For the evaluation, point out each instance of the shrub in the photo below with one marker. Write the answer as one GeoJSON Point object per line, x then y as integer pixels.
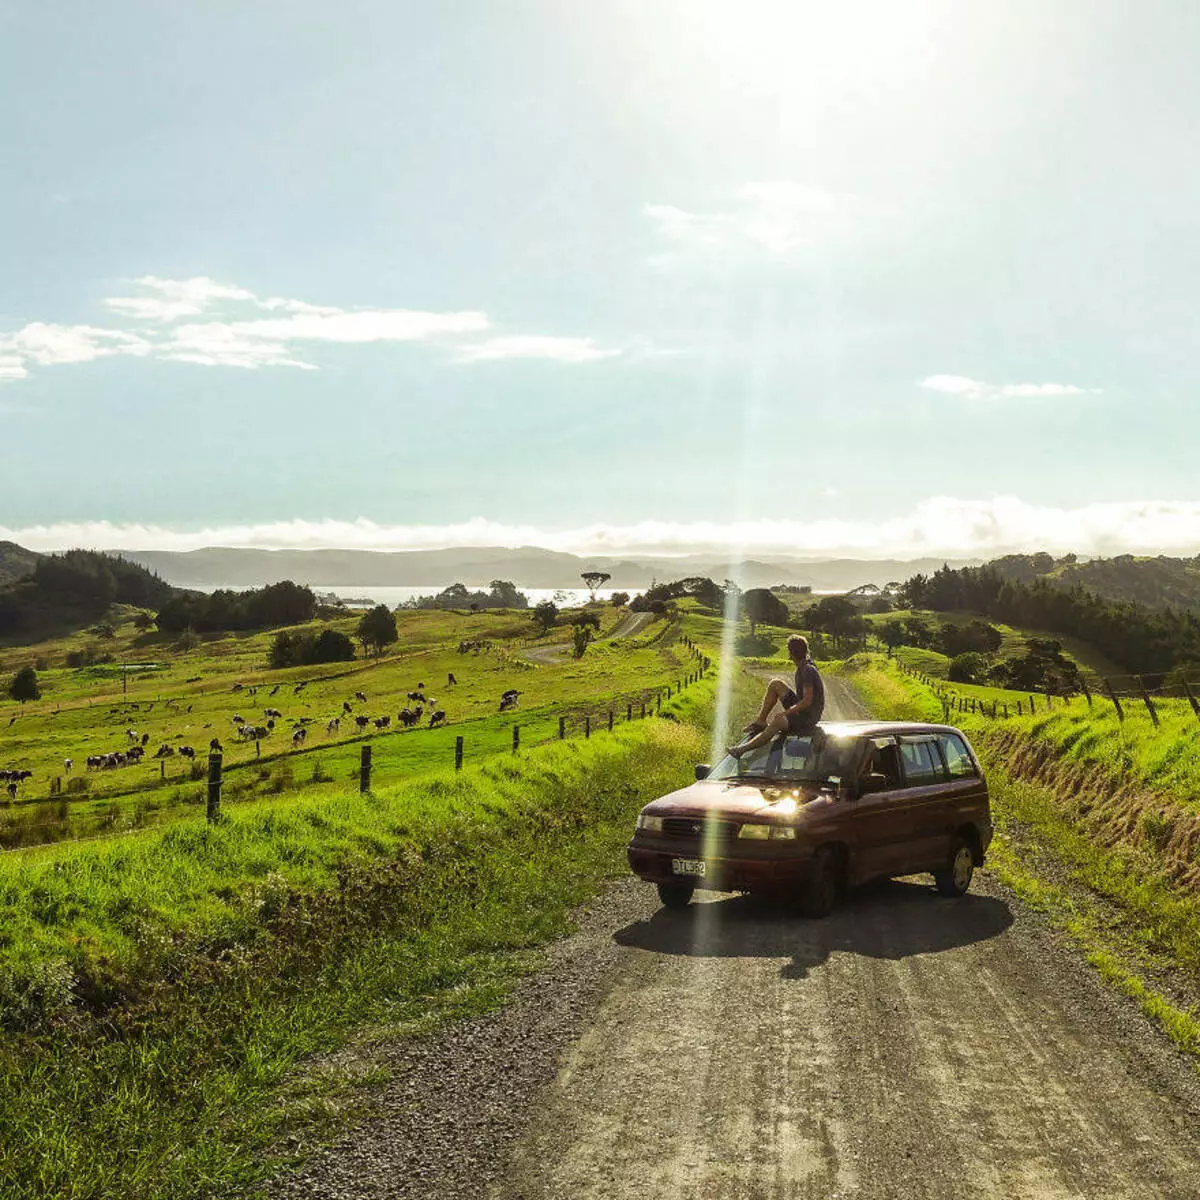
{"type": "Point", "coordinates": [25, 685]}
{"type": "Point", "coordinates": [754, 645]}
{"type": "Point", "coordinates": [580, 640]}
{"type": "Point", "coordinates": [970, 667]}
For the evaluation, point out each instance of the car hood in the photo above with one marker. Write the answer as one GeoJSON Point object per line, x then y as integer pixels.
{"type": "Point", "coordinates": [730, 798]}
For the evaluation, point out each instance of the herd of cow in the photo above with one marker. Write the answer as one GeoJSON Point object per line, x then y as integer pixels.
{"type": "Point", "coordinates": [410, 716]}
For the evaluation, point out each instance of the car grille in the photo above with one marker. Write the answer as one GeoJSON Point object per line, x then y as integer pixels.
{"type": "Point", "coordinates": [695, 828]}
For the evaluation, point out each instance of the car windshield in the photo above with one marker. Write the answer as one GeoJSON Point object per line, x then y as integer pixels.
{"type": "Point", "coordinates": [791, 759]}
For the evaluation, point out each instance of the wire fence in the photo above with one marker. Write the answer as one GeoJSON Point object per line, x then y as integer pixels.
{"type": "Point", "coordinates": [1121, 694]}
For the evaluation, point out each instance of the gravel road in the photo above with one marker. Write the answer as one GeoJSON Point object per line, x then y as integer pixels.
{"type": "Point", "coordinates": [907, 1047]}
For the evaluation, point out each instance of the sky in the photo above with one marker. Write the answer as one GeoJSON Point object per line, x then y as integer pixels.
{"type": "Point", "coordinates": [881, 279]}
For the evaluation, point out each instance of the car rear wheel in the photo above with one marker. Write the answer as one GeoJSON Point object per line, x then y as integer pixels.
{"type": "Point", "coordinates": [821, 885]}
{"type": "Point", "coordinates": [955, 879]}
{"type": "Point", "coordinates": [676, 895]}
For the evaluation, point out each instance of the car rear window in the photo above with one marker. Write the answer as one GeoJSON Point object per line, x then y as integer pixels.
{"type": "Point", "coordinates": [922, 763]}
{"type": "Point", "coordinates": [958, 759]}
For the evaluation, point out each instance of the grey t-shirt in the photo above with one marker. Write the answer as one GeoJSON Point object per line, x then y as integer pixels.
{"type": "Point", "coordinates": [808, 675]}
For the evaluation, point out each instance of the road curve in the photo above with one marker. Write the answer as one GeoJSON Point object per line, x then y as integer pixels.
{"type": "Point", "coordinates": [907, 1047]}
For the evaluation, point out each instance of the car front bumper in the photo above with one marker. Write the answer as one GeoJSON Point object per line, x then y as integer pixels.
{"type": "Point", "coordinates": [756, 868]}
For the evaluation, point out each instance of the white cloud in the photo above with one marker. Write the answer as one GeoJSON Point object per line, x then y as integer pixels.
{"type": "Point", "coordinates": [559, 349]}
{"type": "Point", "coordinates": [775, 218]}
{"type": "Point", "coordinates": [939, 526]}
{"type": "Point", "coordinates": [171, 299]}
{"type": "Point", "coordinates": [973, 389]}
{"type": "Point", "coordinates": [51, 345]}
{"type": "Point", "coordinates": [237, 339]}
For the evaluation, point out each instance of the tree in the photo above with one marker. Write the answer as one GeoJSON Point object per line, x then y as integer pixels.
{"type": "Point", "coordinates": [24, 685]}
{"type": "Point", "coordinates": [968, 667]}
{"type": "Point", "coordinates": [619, 599]}
{"type": "Point", "coordinates": [504, 594]}
{"type": "Point", "coordinates": [580, 639]}
{"type": "Point", "coordinates": [545, 614]}
{"type": "Point", "coordinates": [377, 629]}
{"type": "Point", "coordinates": [892, 633]}
{"type": "Point", "coordinates": [143, 620]}
{"type": "Point", "coordinates": [762, 606]}
{"type": "Point", "coordinates": [594, 579]}
{"type": "Point", "coordinates": [587, 618]}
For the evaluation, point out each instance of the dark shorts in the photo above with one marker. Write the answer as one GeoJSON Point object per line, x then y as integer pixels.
{"type": "Point", "coordinates": [801, 722]}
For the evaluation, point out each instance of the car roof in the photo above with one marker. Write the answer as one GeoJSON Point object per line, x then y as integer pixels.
{"type": "Point", "coordinates": [879, 728]}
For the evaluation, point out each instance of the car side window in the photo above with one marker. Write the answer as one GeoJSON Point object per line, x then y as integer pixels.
{"type": "Point", "coordinates": [922, 763]}
{"type": "Point", "coordinates": [958, 760]}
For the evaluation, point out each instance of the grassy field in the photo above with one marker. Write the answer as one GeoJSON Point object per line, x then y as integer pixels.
{"type": "Point", "coordinates": [190, 696]}
{"type": "Point", "coordinates": [169, 996]}
{"type": "Point", "coordinates": [1098, 824]}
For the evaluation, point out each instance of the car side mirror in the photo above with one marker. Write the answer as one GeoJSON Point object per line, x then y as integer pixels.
{"type": "Point", "coordinates": [702, 770]}
{"type": "Point", "coordinates": [875, 782]}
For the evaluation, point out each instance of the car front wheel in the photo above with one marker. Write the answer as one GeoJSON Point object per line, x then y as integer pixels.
{"type": "Point", "coordinates": [955, 880]}
{"type": "Point", "coordinates": [676, 895]}
{"type": "Point", "coordinates": [821, 885]}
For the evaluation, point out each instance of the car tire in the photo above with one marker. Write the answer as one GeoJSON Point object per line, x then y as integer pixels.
{"type": "Point", "coordinates": [676, 895]}
{"type": "Point", "coordinates": [821, 885]}
{"type": "Point", "coordinates": [955, 879]}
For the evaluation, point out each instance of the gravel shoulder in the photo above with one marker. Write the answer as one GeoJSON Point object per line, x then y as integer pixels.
{"type": "Point", "coordinates": [908, 1046]}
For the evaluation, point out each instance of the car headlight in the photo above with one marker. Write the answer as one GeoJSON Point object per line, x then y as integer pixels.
{"type": "Point", "coordinates": [761, 833]}
{"type": "Point", "coordinates": [650, 824]}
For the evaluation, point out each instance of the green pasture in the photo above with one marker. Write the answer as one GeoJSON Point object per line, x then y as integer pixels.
{"type": "Point", "coordinates": [194, 694]}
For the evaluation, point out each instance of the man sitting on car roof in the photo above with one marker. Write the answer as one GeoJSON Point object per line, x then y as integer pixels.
{"type": "Point", "coordinates": [802, 705]}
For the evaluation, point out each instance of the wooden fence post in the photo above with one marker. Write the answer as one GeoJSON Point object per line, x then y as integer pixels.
{"type": "Point", "coordinates": [162, 768]}
{"type": "Point", "coordinates": [643, 709]}
{"type": "Point", "coordinates": [458, 752]}
{"type": "Point", "coordinates": [516, 738]}
{"type": "Point", "coordinates": [1116, 702]}
{"type": "Point", "coordinates": [587, 727]}
{"type": "Point", "coordinates": [1086, 691]}
{"type": "Point", "coordinates": [257, 748]}
{"type": "Point", "coordinates": [1187, 688]}
{"type": "Point", "coordinates": [629, 712]}
{"type": "Point", "coordinates": [1020, 709]}
{"type": "Point", "coordinates": [562, 728]}
{"type": "Point", "coordinates": [1032, 706]}
{"type": "Point", "coordinates": [1149, 703]}
{"type": "Point", "coordinates": [610, 715]}
{"type": "Point", "coordinates": [364, 769]}
{"type": "Point", "coordinates": [214, 788]}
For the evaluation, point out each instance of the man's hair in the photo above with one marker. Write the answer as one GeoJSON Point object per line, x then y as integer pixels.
{"type": "Point", "coordinates": [798, 641]}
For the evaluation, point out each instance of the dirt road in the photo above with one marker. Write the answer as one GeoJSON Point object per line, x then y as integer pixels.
{"type": "Point", "coordinates": [628, 626]}
{"type": "Point", "coordinates": [908, 1047]}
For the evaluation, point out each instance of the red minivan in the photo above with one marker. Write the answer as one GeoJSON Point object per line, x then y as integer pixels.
{"type": "Point", "coordinates": [806, 817]}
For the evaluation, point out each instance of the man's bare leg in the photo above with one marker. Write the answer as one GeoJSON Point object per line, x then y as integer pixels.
{"type": "Point", "coordinates": [773, 695]}
{"type": "Point", "coordinates": [775, 725]}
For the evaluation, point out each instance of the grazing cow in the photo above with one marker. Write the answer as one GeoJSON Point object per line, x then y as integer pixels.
{"type": "Point", "coordinates": [67, 765]}
{"type": "Point", "coordinates": [271, 723]}
{"type": "Point", "coordinates": [408, 718]}
{"type": "Point", "coordinates": [164, 751]}
{"type": "Point", "coordinates": [346, 707]}
{"type": "Point", "coordinates": [437, 718]}
{"type": "Point", "coordinates": [298, 736]}
{"type": "Point", "coordinates": [131, 734]}
{"type": "Point", "coordinates": [361, 696]}
{"type": "Point", "coordinates": [272, 712]}
{"type": "Point", "coordinates": [187, 751]}
{"type": "Point", "coordinates": [238, 719]}
{"type": "Point", "coordinates": [333, 725]}
{"type": "Point", "coordinates": [512, 692]}
{"type": "Point", "coordinates": [382, 722]}
{"type": "Point", "coordinates": [362, 722]}
{"type": "Point", "coordinates": [237, 687]}
{"type": "Point", "coordinates": [145, 738]}
{"type": "Point", "coordinates": [273, 690]}
{"type": "Point", "coordinates": [262, 731]}
{"type": "Point", "coordinates": [507, 703]}
{"type": "Point", "coordinates": [12, 791]}
{"type": "Point", "coordinates": [419, 697]}
{"type": "Point", "coordinates": [134, 754]}
{"type": "Point", "coordinates": [214, 746]}
{"type": "Point", "coordinates": [450, 680]}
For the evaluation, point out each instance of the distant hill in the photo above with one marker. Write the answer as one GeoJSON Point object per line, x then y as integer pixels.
{"type": "Point", "coordinates": [15, 562]}
{"type": "Point", "coordinates": [528, 566]}
{"type": "Point", "coordinates": [1158, 582]}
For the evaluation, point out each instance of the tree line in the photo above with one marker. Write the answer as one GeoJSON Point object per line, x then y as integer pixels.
{"type": "Point", "coordinates": [1142, 640]}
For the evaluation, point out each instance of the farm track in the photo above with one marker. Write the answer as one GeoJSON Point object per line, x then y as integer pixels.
{"type": "Point", "coordinates": [906, 1047]}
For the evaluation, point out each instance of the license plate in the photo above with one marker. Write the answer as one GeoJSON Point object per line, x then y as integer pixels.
{"type": "Point", "coordinates": [688, 866]}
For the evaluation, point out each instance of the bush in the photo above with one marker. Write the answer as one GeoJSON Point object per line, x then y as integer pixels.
{"type": "Point", "coordinates": [754, 645]}
{"type": "Point", "coordinates": [971, 667]}
{"type": "Point", "coordinates": [290, 649]}
{"type": "Point", "coordinates": [581, 639]}
{"type": "Point", "coordinates": [619, 599]}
